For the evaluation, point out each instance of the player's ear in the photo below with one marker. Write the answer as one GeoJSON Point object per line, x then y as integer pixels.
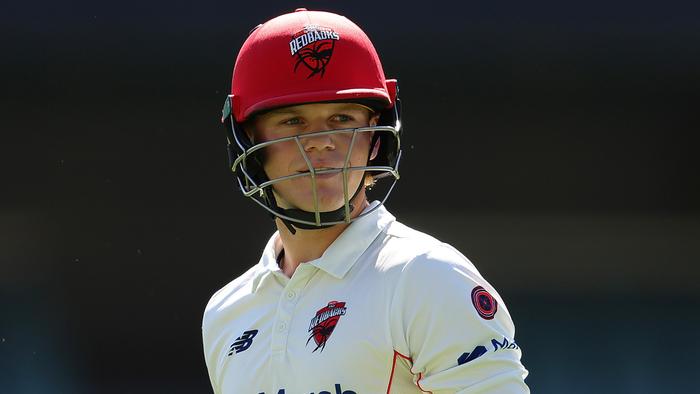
{"type": "Point", "coordinates": [374, 119]}
{"type": "Point", "coordinates": [375, 148]}
{"type": "Point", "coordinates": [249, 128]}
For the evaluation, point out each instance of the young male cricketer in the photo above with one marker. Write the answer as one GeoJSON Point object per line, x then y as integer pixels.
{"type": "Point", "coordinates": [344, 299]}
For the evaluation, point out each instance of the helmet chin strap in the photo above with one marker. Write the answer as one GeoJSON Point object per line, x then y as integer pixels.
{"type": "Point", "coordinates": [330, 216]}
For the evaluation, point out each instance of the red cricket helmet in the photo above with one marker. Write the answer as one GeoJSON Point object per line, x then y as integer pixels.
{"type": "Point", "coordinates": [309, 57]}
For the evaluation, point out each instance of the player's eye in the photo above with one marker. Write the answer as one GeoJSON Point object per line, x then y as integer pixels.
{"type": "Point", "coordinates": [343, 118]}
{"type": "Point", "coordinates": [291, 121]}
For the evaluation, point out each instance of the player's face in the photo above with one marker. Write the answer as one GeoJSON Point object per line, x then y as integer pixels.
{"type": "Point", "coordinates": [323, 151]}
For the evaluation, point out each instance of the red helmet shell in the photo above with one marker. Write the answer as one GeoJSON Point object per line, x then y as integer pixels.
{"type": "Point", "coordinates": [307, 57]}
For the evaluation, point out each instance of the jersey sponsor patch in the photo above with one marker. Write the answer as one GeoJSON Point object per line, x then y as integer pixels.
{"type": "Point", "coordinates": [324, 322]}
{"type": "Point", "coordinates": [243, 342]}
{"type": "Point", "coordinates": [484, 303]}
{"type": "Point", "coordinates": [481, 350]}
{"type": "Point", "coordinates": [338, 390]}
{"type": "Point", "coordinates": [313, 46]}
{"type": "Point", "coordinates": [474, 354]}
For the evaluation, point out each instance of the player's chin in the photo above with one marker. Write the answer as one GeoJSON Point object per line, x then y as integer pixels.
{"type": "Point", "coordinates": [326, 203]}
{"type": "Point", "coordinates": [327, 184]}
{"type": "Point", "coordinates": [328, 199]}
{"type": "Point", "coordinates": [330, 193]}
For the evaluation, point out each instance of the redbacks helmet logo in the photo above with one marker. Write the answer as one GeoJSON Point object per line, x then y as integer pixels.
{"type": "Point", "coordinates": [486, 306]}
{"type": "Point", "coordinates": [323, 324]}
{"type": "Point", "coordinates": [313, 47]}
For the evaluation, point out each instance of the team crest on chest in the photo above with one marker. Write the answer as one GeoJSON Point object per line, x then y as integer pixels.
{"type": "Point", "coordinates": [313, 46]}
{"type": "Point", "coordinates": [323, 324]}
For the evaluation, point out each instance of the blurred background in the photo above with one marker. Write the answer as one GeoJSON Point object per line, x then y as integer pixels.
{"type": "Point", "coordinates": [554, 143]}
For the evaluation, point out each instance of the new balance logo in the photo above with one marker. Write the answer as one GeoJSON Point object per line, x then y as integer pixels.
{"type": "Point", "coordinates": [243, 342]}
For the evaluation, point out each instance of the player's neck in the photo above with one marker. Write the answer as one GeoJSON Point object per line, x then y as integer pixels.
{"type": "Point", "coordinates": [308, 245]}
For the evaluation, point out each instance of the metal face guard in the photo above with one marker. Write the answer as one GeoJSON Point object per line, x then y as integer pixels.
{"type": "Point", "coordinates": [259, 191]}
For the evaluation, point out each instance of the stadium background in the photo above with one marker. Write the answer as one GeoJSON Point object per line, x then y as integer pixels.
{"type": "Point", "coordinates": [554, 143]}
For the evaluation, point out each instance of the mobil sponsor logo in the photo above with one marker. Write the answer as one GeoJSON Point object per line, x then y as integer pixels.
{"type": "Point", "coordinates": [495, 346]}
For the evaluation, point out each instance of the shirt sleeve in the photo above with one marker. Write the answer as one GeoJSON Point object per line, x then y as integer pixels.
{"type": "Point", "coordinates": [454, 329]}
{"type": "Point", "coordinates": [210, 353]}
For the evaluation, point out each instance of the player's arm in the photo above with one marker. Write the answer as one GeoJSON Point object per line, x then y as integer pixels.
{"type": "Point", "coordinates": [453, 328]}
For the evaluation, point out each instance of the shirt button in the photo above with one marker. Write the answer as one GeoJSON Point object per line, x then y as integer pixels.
{"type": "Point", "coordinates": [282, 326]}
{"type": "Point", "coordinates": [291, 294]}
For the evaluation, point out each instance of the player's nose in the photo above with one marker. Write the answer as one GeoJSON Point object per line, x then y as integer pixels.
{"type": "Point", "coordinates": [317, 139]}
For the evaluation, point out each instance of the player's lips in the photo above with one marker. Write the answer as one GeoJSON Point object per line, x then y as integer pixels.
{"type": "Point", "coordinates": [323, 175]}
{"type": "Point", "coordinates": [320, 165]}
{"type": "Point", "coordinates": [322, 168]}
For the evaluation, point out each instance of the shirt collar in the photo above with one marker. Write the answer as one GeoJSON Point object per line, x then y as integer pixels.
{"type": "Point", "coordinates": [342, 254]}
{"type": "Point", "coordinates": [268, 262]}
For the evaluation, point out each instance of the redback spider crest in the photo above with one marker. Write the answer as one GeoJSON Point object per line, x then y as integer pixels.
{"type": "Point", "coordinates": [313, 47]}
{"type": "Point", "coordinates": [324, 322]}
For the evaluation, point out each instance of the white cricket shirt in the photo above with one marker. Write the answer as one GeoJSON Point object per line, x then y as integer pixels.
{"type": "Point", "coordinates": [386, 309]}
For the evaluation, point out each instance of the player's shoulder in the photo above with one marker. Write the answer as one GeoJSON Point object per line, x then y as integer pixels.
{"type": "Point", "coordinates": [431, 271]}
{"type": "Point", "coordinates": [415, 251]}
{"type": "Point", "coordinates": [227, 296]}
{"type": "Point", "coordinates": [233, 294]}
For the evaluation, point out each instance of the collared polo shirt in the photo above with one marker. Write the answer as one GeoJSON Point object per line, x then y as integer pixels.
{"type": "Point", "coordinates": [386, 309]}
